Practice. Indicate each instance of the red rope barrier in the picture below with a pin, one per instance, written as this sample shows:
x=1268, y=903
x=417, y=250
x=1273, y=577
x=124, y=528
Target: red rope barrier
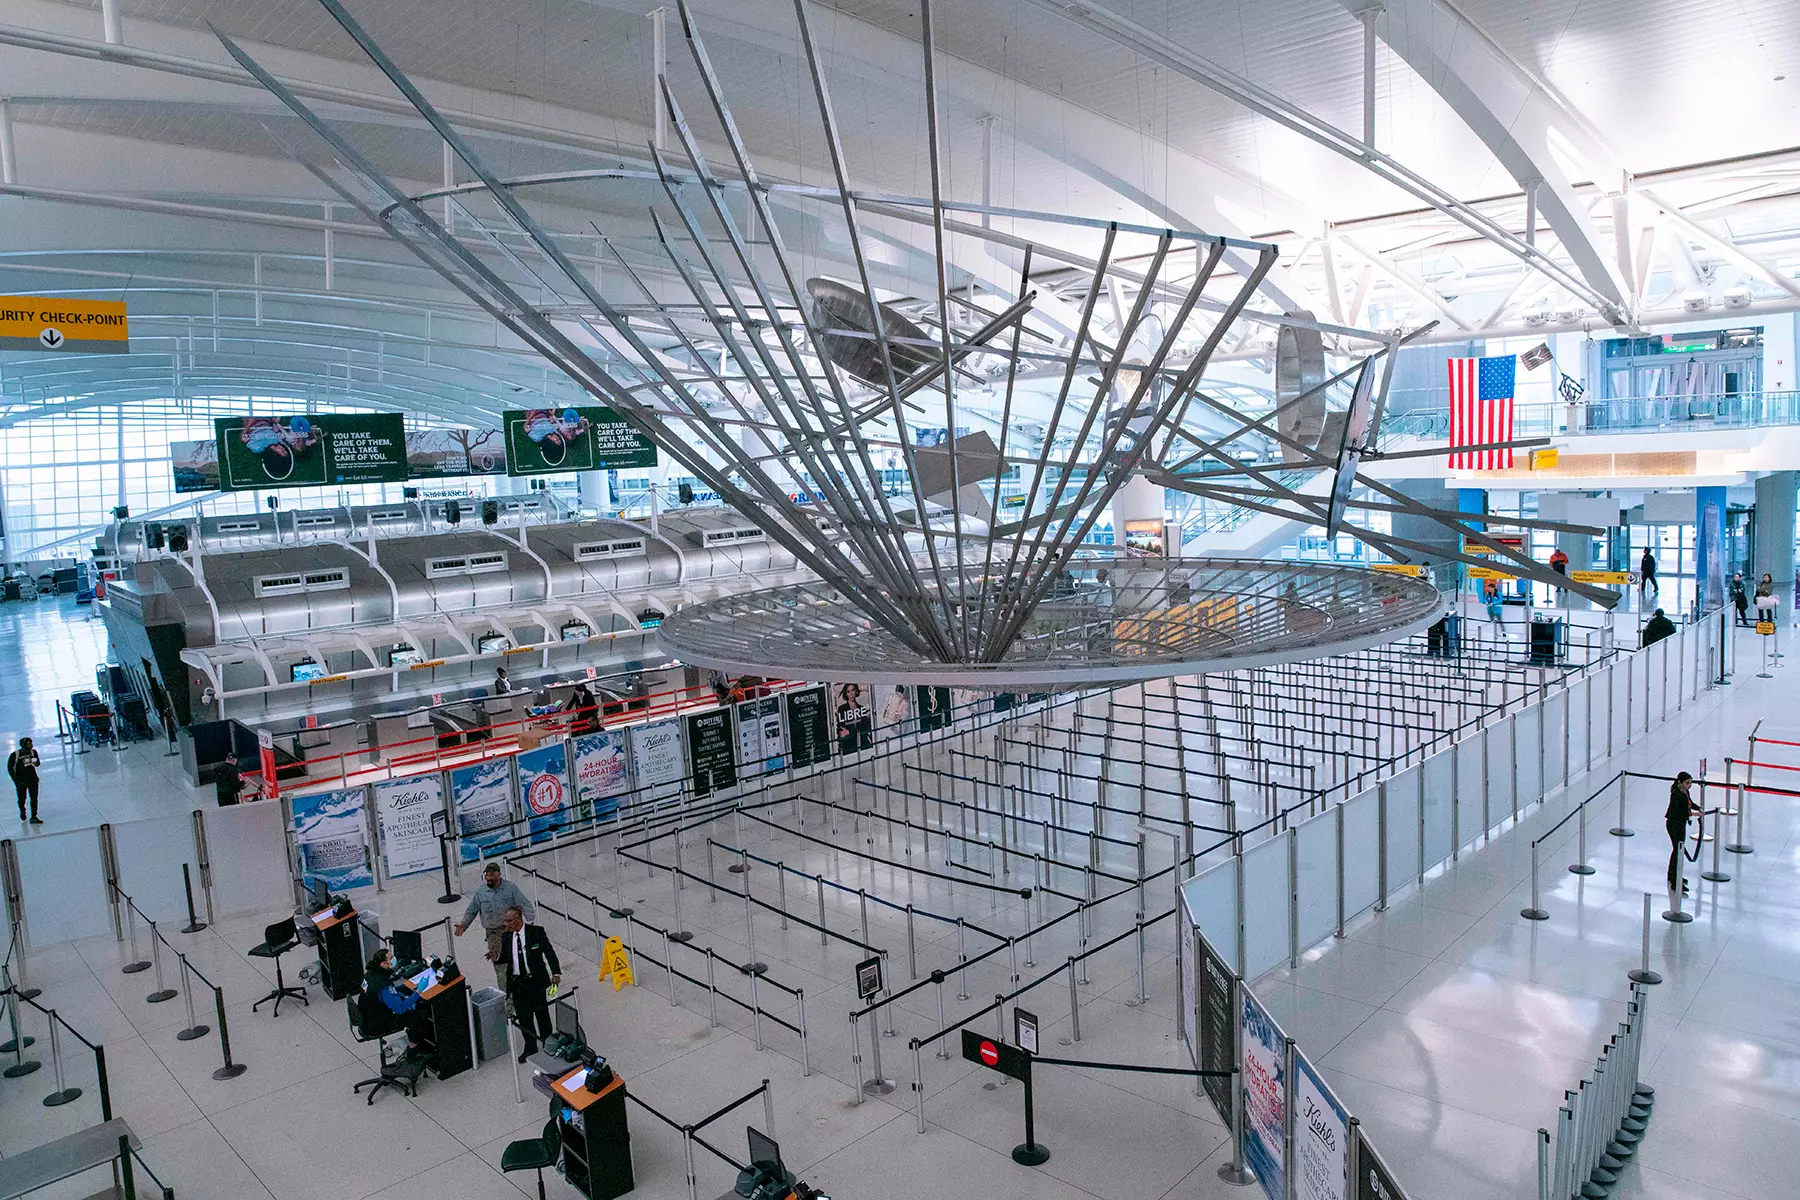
x=1773, y=742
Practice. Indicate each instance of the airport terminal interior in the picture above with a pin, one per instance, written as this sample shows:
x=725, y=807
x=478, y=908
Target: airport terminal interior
x=870, y=600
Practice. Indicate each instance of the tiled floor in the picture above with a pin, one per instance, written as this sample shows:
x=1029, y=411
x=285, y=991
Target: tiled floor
x=1450, y=1025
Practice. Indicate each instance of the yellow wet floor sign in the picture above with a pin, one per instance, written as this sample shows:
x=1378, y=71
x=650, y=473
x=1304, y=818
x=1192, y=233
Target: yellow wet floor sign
x=616, y=962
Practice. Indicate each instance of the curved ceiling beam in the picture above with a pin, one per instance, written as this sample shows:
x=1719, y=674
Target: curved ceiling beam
x=1515, y=115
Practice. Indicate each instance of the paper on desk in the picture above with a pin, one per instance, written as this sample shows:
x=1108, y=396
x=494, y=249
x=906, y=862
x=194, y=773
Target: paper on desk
x=319, y=918
x=576, y=1082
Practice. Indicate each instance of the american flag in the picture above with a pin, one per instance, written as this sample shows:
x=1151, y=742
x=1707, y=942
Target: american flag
x=1481, y=411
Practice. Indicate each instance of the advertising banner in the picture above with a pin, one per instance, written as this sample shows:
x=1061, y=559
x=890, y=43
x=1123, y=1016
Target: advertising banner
x=1218, y=1027
x=853, y=719
x=934, y=708
x=540, y=441
x=1372, y=1179
x=544, y=787
x=196, y=466
x=405, y=808
x=484, y=799
x=712, y=759
x=61, y=326
x=762, y=742
x=443, y=453
x=1321, y=1138
x=656, y=758
x=310, y=450
x=894, y=710
x=1265, y=1097
x=601, y=770
x=329, y=829
x=809, y=730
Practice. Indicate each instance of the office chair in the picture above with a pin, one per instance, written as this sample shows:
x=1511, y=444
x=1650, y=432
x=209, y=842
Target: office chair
x=534, y=1154
x=278, y=939
x=377, y=1024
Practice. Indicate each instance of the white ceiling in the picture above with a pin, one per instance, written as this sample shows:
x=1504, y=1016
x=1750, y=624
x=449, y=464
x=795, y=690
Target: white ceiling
x=1625, y=95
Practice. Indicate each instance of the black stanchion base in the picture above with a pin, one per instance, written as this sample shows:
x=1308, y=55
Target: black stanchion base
x=1716, y=876
x=197, y=1031
x=1580, y=869
x=231, y=1072
x=134, y=968
x=683, y=936
x=1534, y=914
x=1643, y=976
x=8, y=1046
x=755, y=968
x=58, y=1099
x=159, y=997
x=1679, y=918
x=737, y=869
x=449, y=898
x=1735, y=848
x=21, y=1068
x=30, y=993
x=619, y=914
x=193, y=927
x=1031, y=1154
x=1621, y=831
x=878, y=1087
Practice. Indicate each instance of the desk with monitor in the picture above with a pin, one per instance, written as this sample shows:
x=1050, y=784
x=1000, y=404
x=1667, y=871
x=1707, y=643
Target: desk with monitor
x=443, y=1024
x=340, y=952
x=596, y=1139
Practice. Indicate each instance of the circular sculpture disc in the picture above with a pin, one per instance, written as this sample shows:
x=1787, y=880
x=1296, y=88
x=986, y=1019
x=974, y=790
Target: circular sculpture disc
x=1114, y=620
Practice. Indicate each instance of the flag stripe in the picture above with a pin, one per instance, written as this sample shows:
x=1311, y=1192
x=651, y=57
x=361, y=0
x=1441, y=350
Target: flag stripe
x=1476, y=420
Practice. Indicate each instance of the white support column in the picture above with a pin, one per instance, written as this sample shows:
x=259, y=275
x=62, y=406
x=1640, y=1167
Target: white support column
x=1531, y=221
x=987, y=169
x=9, y=159
x=659, y=64
x=330, y=252
x=1367, y=17
x=109, y=19
x=449, y=182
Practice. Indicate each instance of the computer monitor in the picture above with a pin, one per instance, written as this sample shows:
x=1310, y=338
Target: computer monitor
x=371, y=940
x=409, y=947
x=321, y=894
x=568, y=1020
x=764, y=1152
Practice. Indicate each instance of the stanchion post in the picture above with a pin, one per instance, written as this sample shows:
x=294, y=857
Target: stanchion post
x=1074, y=1004
x=1741, y=846
x=231, y=1070
x=136, y=964
x=63, y=1093
x=193, y=1029
x=1535, y=912
x=1716, y=875
x=1621, y=830
x=1581, y=866
x=943, y=1052
x=195, y=924
x=163, y=991
x=1644, y=974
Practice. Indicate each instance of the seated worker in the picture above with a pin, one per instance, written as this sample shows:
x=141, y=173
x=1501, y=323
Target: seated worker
x=382, y=982
x=1657, y=628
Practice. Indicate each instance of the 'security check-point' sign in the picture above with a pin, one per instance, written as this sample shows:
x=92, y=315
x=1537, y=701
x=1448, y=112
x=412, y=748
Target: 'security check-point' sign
x=52, y=325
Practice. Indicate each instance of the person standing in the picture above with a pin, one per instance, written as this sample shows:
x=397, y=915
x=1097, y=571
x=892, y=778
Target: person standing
x=1682, y=809
x=531, y=963
x=1656, y=629
x=1647, y=576
x=1740, y=599
x=1765, y=598
x=228, y=783
x=490, y=902
x=22, y=766
x=583, y=710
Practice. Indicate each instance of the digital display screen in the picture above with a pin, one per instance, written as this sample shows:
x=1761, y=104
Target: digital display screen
x=403, y=655
x=491, y=643
x=306, y=671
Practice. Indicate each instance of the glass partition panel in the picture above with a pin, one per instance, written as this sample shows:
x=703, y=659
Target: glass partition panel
x=1212, y=899
x=63, y=886
x=1581, y=722
x=1265, y=906
x=1527, y=726
x=1318, y=882
x=1438, y=780
x=1556, y=715
x=250, y=865
x=150, y=856
x=1470, y=754
x=1360, y=866
x=1619, y=675
x=1402, y=828
x=1501, y=742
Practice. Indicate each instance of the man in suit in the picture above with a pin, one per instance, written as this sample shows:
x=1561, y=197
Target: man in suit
x=533, y=968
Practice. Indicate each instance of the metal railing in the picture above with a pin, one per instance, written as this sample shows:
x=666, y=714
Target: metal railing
x=1624, y=414
x=1603, y=1117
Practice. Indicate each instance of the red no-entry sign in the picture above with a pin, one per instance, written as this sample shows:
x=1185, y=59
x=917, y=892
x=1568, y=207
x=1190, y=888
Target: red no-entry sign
x=990, y=1054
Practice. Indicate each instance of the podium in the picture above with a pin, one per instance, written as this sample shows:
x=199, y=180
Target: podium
x=596, y=1140
x=340, y=953
x=441, y=1024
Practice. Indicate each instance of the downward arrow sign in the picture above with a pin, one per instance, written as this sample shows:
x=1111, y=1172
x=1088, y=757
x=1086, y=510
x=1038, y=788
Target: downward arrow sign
x=51, y=338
